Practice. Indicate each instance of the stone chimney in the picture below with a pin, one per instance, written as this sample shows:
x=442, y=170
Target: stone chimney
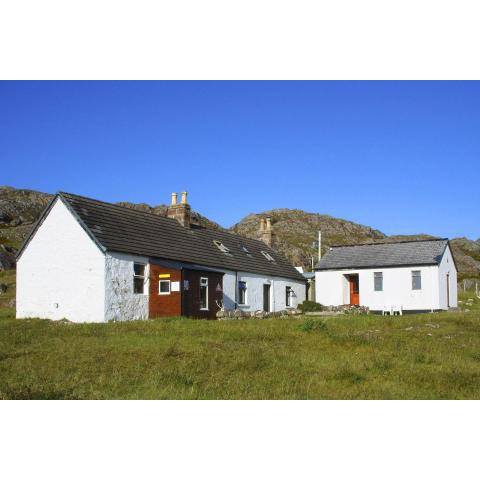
x=266, y=231
x=180, y=212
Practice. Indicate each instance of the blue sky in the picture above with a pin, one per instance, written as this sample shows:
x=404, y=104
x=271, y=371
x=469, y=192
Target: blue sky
x=403, y=157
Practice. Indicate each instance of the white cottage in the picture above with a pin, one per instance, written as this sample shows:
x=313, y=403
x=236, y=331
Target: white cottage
x=92, y=261
x=412, y=276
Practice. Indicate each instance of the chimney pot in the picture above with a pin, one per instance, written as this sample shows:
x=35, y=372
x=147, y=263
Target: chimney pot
x=180, y=211
x=266, y=231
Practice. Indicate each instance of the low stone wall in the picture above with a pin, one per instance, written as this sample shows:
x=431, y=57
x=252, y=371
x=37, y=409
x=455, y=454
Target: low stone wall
x=232, y=314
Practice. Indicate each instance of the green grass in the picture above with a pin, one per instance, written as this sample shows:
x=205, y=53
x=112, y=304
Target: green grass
x=430, y=356
x=7, y=277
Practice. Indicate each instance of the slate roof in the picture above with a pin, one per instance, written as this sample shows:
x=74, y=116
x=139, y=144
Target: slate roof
x=122, y=229
x=373, y=255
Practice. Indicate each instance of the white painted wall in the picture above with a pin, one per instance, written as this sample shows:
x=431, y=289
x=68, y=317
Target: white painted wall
x=120, y=301
x=60, y=274
x=447, y=266
x=255, y=284
x=332, y=288
x=63, y=274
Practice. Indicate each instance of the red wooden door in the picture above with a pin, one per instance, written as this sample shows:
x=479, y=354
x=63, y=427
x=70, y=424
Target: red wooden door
x=354, y=290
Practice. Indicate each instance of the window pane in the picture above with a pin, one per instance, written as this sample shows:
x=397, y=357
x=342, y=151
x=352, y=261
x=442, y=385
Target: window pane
x=138, y=285
x=242, y=293
x=416, y=280
x=139, y=269
x=164, y=286
x=378, y=281
x=203, y=296
x=288, y=296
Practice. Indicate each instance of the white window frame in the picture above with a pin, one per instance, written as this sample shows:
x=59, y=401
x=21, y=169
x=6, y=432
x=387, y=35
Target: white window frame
x=144, y=277
x=419, y=276
x=289, y=294
x=205, y=284
x=267, y=256
x=223, y=248
x=163, y=280
x=246, y=293
x=374, y=279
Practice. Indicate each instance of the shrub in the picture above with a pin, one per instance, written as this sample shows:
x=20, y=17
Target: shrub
x=309, y=306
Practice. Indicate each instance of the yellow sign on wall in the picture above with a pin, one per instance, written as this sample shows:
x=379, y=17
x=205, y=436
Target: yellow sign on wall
x=164, y=275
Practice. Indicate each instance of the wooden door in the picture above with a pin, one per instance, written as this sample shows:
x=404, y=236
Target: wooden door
x=202, y=293
x=266, y=297
x=354, y=290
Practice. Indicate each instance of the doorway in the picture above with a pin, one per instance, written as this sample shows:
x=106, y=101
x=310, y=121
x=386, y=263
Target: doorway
x=354, y=289
x=266, y=297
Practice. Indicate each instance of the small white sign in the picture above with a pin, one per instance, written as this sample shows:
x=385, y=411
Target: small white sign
x=175, y=287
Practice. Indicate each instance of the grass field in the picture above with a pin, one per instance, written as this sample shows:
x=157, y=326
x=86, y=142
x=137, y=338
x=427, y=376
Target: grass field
x=430, y=356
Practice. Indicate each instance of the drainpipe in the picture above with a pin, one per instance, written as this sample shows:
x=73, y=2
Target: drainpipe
x=273, y=296
x=236, y=288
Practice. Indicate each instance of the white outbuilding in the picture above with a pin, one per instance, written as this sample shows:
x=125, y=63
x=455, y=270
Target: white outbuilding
x=92, y=261
x=405, y=276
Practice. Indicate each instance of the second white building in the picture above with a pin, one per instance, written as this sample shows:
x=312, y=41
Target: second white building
x=407, y=276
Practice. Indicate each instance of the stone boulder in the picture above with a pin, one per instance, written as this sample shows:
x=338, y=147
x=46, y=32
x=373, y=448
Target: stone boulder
x=7, y=261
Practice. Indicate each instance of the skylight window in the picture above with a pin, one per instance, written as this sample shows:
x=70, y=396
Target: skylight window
x=222, y=247
x=246, y=250
x=268, y=256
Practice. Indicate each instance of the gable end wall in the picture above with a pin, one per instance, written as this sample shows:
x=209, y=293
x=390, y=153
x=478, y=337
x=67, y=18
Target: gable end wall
x=60, y=274
x=447, y=265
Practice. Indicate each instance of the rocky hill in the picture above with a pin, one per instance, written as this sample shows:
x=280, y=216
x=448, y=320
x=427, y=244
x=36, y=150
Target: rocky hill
x=162, y=210
x=296, y=230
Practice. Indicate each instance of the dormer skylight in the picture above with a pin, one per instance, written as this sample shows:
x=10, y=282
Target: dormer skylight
x=222, y=247
x=268, y=256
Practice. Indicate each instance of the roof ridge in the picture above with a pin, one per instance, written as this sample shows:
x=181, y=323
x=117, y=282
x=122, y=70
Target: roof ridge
x=390, y=243
x=135, y=211
x=123, y=207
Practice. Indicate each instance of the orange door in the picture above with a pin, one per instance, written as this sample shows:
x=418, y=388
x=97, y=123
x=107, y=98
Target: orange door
x=354, y=291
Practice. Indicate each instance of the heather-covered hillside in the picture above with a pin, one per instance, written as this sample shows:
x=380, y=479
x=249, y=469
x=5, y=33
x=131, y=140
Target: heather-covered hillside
x=295, y=230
